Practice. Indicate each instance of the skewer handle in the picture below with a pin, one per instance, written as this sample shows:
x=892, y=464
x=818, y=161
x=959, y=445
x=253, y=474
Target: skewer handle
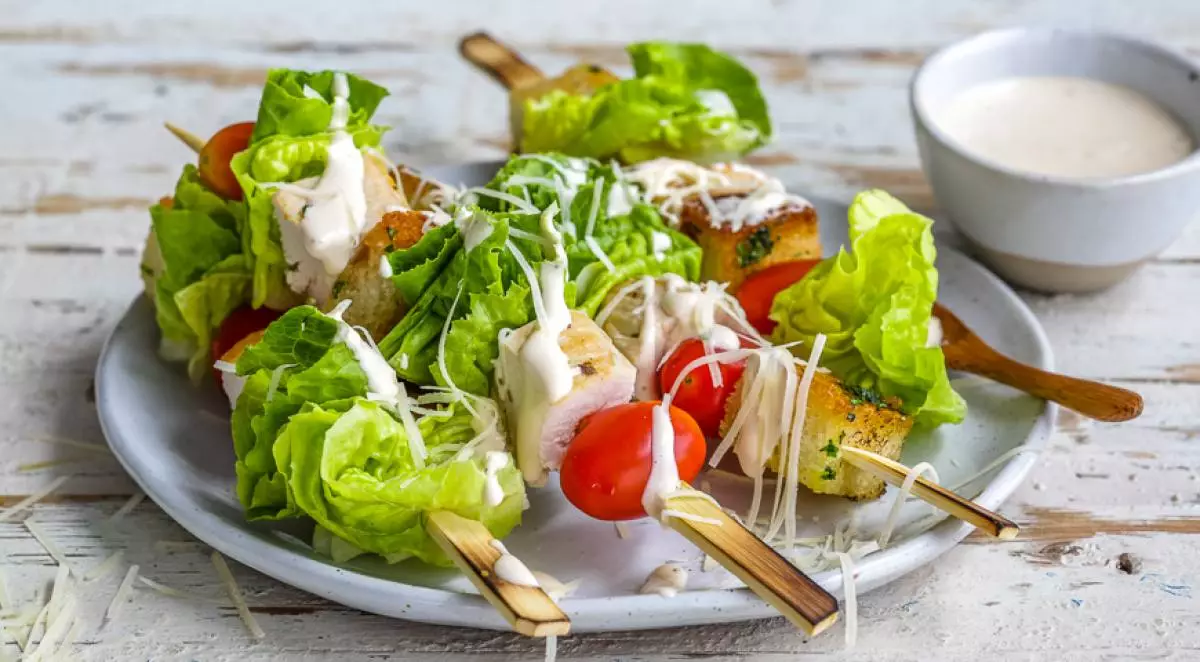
x=761, y=568
x=187, y=137
x=894, y=473
x=498, y=61
x=468, y=543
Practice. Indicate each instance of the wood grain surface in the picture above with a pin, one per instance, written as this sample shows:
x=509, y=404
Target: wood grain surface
x=1108, y=557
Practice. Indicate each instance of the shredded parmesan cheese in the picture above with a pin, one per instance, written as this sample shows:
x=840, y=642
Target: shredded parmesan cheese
x=235, y=594
x=33, y=498
x=119, y=598
x=127, y=507
x=850, y=595
x=46, y=542
x=103, y=568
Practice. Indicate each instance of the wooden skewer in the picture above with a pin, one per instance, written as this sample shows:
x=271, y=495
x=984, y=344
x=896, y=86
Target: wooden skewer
x=964, y=509
x=500, y=62
x=188, y=138
x=528, y=609
x=761, y=568
x=967, y=352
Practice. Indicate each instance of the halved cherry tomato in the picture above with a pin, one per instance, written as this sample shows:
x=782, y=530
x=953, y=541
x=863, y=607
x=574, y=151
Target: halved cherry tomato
x=607, y=465
x=240, y=323
x=214, y=159
x=698, y=395
x=758, y=291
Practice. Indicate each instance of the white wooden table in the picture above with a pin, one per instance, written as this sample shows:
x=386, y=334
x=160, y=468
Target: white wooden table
x=87, y=85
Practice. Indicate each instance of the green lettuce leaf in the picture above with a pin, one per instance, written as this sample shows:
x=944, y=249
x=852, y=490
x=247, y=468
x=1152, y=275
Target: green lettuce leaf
x=351, y=471
x=874, y=306
x=285, y=108
x=495, y=292
x=301, y=354
x=687, y=101
x=204, y=275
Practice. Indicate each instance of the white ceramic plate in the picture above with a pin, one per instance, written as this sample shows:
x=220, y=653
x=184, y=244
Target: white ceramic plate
x=174, y=440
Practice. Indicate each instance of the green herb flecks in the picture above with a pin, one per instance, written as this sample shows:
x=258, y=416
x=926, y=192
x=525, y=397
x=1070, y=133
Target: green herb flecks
x=755, y=247
x=861, y=394
x=830, y=449
x=829, y=474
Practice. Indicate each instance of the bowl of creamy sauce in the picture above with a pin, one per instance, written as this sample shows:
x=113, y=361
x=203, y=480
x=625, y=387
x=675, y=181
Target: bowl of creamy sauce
x=1066, y=158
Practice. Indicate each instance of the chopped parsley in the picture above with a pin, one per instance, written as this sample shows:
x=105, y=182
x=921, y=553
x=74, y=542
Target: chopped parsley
x=861, y=394
x=828, y=474
x=850, y=417
x=147, y=271
x=755, y=247
x=830, y=449
x=391, y=232
x=338, y=286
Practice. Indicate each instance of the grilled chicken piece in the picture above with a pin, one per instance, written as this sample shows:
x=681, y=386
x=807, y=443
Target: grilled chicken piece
x=789, y=232
x=542, y=430
x=836, y=417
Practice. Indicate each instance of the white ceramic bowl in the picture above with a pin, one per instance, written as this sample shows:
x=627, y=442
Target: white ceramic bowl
x=1046, y=232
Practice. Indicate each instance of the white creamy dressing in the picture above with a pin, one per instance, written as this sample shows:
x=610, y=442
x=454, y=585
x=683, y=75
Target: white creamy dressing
x=493, y=493
x=385, y=267
x=510, y=569
x=1065, y=126
x=474, y=226
x=664, y=472
x=673, y=310
x=660, y=243
x=539, y=373
x=382, y=383
x=335, y=217
x=434, y=219
x=666, y=580
x=747, y=196
x=620, y=202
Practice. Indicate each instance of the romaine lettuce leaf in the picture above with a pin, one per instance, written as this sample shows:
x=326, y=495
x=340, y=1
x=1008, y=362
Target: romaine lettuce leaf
x=687, y=101
x=874, y=306
x=300, y=353
x=352, y=472
x=286, y=109
x=495, y=292
x=204, y=276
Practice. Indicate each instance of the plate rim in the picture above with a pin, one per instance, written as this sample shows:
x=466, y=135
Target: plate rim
x=445, y=607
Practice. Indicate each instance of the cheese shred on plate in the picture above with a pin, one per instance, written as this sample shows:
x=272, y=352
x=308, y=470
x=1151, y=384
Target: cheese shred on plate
x=235, y=594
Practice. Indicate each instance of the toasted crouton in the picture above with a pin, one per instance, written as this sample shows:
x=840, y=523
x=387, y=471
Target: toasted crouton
x=377, y=306
x=789, y=233
x=836, y=417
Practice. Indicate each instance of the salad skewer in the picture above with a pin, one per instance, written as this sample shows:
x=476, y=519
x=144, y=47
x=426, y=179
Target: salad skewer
x=499, y=576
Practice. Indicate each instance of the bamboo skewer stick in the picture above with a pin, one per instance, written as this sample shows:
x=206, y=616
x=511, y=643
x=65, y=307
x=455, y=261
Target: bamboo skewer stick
x=500, y=62
x=772, y=577
x=528, y=609
x=188, y=138
x=935, y=495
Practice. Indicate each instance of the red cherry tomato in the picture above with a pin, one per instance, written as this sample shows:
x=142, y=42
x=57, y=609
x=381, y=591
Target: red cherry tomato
x=607, y=465
x=240, y=323
x=758, y=291
x=214, y=159
x=698, y=395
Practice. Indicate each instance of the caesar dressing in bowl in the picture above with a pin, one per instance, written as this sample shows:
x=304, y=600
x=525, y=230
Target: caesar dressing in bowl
x=1066, y=158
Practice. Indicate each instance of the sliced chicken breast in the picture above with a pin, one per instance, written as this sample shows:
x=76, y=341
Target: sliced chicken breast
x=603, y=377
